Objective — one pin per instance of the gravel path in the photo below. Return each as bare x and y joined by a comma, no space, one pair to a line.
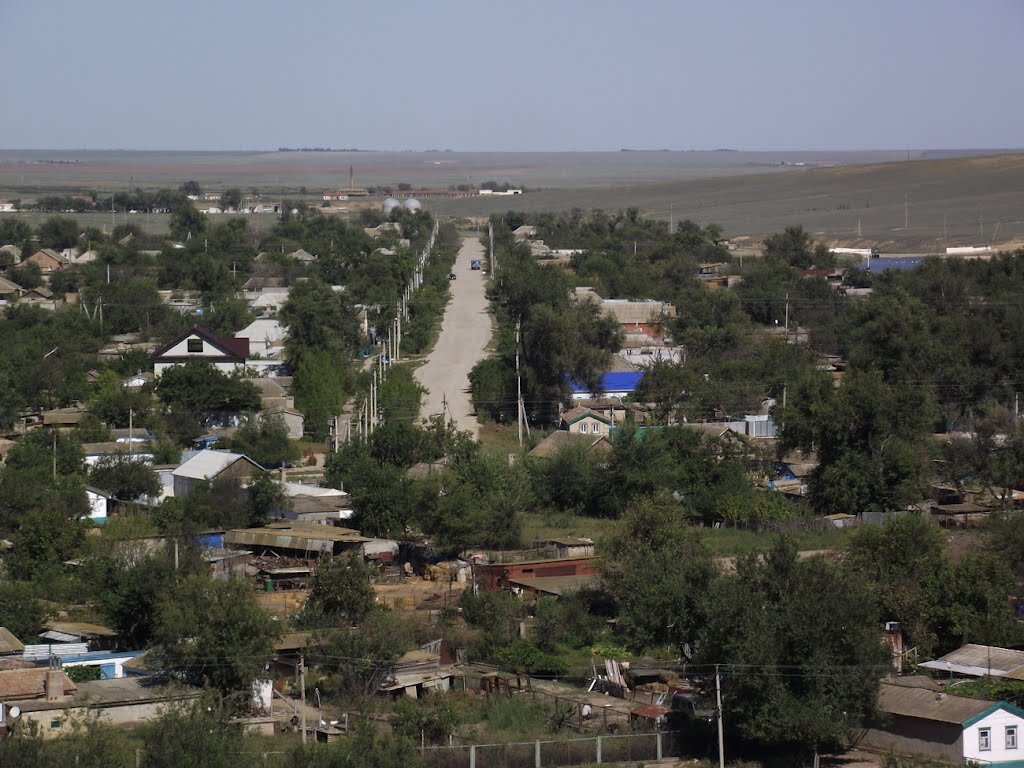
465,332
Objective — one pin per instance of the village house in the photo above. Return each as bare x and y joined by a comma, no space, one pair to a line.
10,291
612,384
48,260
557,440
208,465
509,577
583,421
223,353
916,717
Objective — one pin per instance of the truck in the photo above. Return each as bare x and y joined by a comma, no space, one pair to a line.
474,264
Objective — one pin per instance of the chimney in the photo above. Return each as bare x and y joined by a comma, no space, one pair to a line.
54,685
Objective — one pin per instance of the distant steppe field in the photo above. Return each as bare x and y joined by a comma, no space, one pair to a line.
904,201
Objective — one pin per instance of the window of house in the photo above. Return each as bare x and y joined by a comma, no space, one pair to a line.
984,739
583,427
55,724
597,429
195,345
1011,737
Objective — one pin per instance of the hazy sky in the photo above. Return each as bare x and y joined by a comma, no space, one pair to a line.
511,74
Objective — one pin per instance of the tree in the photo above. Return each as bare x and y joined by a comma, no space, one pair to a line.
198,388
192,188
231,199
379,491
801,672
657,570
126,477
214,633
46,537
339,591
199,734
320,386
361,658
267,499
264,439
868,437
58,232
186,222
23,614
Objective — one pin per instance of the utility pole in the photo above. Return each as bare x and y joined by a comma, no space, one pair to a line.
131,433
906,212
54,453
945,239
721,736
302,694
787,316
519,388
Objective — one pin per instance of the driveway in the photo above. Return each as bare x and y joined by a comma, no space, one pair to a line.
465,332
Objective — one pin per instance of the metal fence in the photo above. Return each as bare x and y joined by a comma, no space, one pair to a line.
547,754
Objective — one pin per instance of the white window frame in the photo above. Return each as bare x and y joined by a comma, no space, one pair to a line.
984,739
597,429
1010,736
583,428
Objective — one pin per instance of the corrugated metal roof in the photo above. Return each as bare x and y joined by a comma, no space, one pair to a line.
926,704
555,585
209,463
308,538
81,629
614,381
43,651
975,660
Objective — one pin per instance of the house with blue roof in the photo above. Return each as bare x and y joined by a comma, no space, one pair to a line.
613,384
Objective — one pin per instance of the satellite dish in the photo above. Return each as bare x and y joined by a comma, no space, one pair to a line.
14,712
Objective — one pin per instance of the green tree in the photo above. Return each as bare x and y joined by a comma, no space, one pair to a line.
264,439
339,592
214,633
45,538
801,672
657,570
320,387
23,614
199,734
58,232
127,478
360,659
231,199
186,222
191,187
267,499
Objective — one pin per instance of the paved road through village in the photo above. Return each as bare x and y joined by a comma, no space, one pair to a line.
465,332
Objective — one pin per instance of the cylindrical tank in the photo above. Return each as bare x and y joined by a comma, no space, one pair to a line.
412,204
389,204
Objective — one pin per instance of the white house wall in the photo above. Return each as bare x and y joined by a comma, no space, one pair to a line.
996,722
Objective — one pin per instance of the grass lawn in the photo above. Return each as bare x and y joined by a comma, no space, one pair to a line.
723,542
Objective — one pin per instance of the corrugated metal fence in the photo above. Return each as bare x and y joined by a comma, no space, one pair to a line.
547,754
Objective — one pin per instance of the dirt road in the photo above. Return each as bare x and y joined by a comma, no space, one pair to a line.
465,331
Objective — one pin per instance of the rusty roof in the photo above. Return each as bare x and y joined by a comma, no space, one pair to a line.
28,683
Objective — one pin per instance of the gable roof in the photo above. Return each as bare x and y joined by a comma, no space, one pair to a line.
557,440
28,683
231,347
209,463
9,286
576,414
926,704
9,643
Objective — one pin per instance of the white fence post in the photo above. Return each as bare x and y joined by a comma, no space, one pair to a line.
659,745
472,756
536,754
599,750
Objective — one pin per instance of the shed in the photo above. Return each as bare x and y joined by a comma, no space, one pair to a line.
296,540
209,464
973,660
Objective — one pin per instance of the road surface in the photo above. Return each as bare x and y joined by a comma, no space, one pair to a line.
465,332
